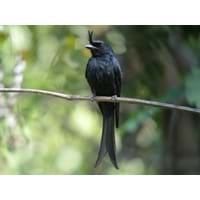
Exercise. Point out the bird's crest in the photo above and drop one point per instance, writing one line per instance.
(90, 35)
(93, 42)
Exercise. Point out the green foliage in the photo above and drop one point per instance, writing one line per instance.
(192, 84)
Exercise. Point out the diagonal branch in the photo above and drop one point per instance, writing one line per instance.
(102, 99)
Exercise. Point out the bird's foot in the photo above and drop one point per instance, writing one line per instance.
(92, 97)
(114, 97)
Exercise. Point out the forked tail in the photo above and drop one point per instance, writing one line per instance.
(108, 140)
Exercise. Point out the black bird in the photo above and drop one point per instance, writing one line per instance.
(103, 74)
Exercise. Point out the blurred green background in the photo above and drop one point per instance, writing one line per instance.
(45, 135)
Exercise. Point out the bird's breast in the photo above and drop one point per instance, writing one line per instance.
(102, 76)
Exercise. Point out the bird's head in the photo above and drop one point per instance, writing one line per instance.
(97, 47)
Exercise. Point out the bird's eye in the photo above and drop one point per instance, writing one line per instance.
(98, 43)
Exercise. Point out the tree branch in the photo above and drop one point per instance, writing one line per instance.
(102, 99)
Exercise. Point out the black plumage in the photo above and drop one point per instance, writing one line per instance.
(103, 74)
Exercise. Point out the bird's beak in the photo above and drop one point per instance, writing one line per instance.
(90, 46)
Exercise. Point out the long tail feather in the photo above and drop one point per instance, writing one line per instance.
(117, 114)
(102, 149)
(108, 140)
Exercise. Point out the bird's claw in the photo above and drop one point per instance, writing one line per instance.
(92, 98)
(114, 97)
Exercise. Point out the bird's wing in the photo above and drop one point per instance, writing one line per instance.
(89, 74)
(118, 77)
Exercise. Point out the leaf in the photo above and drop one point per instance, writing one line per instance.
(192, 85)
(3, 36)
